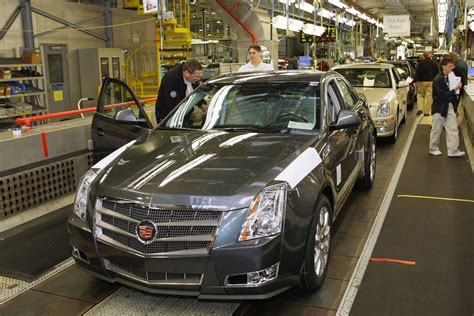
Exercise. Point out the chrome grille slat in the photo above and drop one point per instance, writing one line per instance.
(180, 232)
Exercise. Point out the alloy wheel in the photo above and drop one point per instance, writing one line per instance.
(322, 241)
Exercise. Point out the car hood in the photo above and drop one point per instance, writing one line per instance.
(375, 95)
(202, 168)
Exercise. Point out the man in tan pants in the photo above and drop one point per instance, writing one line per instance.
(425, 73)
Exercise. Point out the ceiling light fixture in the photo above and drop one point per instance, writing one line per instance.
(338, 4)
(312, 29)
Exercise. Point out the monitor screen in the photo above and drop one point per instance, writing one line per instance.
(304, 61)
(470, 71)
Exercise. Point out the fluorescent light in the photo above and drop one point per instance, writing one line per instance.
(338, 4)
(281, 22)
(289, 1)
(305, 6)
(326, 14)
(353, 11)
(312, 29)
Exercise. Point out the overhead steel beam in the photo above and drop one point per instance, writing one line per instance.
(67, 26)
(10, 21)
(74, 26)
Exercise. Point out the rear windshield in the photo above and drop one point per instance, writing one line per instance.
(368, 77)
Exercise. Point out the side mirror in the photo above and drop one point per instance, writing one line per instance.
(402, 84)
(127, 117)
(346, 119)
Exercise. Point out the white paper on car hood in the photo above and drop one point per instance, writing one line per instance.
(299, 168)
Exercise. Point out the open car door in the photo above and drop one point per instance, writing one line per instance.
(120, 118)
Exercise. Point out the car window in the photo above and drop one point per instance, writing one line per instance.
(334, 105)
(397, 76)
(349, 98)
(367, 77)
(279, 105)
(116, 97)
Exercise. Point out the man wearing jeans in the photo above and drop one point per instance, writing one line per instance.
(425, 72)
(444, 111)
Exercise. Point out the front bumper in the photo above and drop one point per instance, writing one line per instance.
(385, 125)
(210, 273)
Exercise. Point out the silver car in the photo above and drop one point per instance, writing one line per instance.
(386, 94)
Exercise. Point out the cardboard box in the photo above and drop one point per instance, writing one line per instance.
(5, 73)
(5, 89)
(31, 57)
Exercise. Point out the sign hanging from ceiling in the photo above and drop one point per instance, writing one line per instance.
(150, 6)
(396, 25)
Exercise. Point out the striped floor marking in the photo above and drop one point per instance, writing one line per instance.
(427, 197)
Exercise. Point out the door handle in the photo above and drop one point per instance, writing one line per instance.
(100, 132)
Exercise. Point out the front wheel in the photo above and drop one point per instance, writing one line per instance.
(316, 259)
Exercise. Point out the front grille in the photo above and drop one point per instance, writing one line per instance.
(177, 230)
(150, 277)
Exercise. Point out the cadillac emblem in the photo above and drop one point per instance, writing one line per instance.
(146, 232)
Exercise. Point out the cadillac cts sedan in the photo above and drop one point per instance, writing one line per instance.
(233, 195)
(386, 93)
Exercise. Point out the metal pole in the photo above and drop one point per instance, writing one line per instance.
(10, 21)
(27, 24)
(109, 34)
(59, 20)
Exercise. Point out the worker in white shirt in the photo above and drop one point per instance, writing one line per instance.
(255, 64)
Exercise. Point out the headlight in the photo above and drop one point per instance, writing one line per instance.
(266, 213)
(384, 109)
(80, 205)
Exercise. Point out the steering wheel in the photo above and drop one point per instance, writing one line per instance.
(290, 115)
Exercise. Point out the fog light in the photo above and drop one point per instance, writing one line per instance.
(263, 276)
(381, 129)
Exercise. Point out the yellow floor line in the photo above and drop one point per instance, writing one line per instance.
(434, 198)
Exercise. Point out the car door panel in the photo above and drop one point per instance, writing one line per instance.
(108, 133)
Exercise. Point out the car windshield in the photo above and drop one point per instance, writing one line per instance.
(367, 77)
(265, 107)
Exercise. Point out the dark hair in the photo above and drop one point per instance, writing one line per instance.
(256, 47)
(191, 65)
(446, 59)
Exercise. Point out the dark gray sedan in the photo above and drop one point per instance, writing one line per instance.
(233, 195)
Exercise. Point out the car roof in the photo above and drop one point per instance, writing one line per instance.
(271, 76)
(363, 65)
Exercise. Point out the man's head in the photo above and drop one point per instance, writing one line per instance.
(426, 54)
(454, 56)
(192, 70)
(446, 65)
(255, 53)
(382, 55)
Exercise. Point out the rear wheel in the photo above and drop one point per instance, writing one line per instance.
(367, 180)
(316, 259)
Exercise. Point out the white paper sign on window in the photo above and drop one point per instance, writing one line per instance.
(396, 25)
(150, 6)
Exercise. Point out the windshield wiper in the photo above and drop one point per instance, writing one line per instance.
(179, 128)
(252, 128)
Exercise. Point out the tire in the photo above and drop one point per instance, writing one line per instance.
(370, 165)
(318, 247)
(404, 119)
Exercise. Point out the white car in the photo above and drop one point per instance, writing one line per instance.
(386, 94)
